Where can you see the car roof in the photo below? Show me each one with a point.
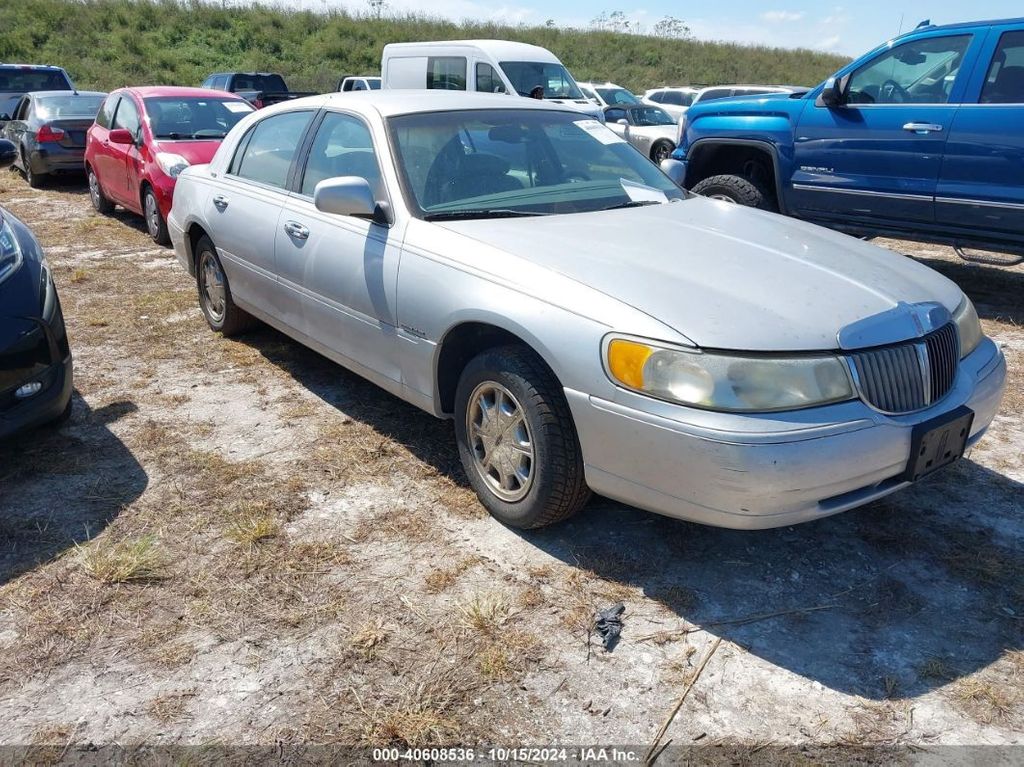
(963, 25)
(389, 103)
(47, 94)
(503, 50)
(5, 65)
(155, 91)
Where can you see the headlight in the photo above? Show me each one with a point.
(727, 382)
(171, 164)
(968, 327)
(10, 251)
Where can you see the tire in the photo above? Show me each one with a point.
(661, 150)
(99, 200)
(34, 180)
(534, 406)
(737, 189)
(222, 315)
(156, 225)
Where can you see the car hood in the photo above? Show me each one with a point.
(725, 276)
(196, 152)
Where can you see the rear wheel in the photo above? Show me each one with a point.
(517, 440)
(662, 150)
(33, 179)
(99, 200)
(155, 223)
(222, 315)
(736, 189)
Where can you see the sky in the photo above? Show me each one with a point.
(851, 28)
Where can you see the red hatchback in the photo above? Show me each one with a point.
(144, 137)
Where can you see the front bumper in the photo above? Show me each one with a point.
(767, 470)
(36, 351)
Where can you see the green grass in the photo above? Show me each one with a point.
(105, 44)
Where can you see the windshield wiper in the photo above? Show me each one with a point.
(455, 215)
(631, 204)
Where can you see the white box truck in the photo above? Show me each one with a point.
(488, 66)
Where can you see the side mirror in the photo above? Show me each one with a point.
(121, 136)
(675, 170)
(623, 121)
(4, 117)
(8, 153)
(346, 196)
(834, 94)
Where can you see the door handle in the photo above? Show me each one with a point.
(922, 128)
(220, 202)
(296, 230)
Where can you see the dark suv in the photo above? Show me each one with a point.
(19, 79)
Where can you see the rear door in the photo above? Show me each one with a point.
(15, 129)
(877, 158)
(98, 147)
(982, 181)
(244, 211)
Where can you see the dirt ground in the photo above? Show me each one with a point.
(238, 542)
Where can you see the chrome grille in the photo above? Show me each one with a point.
(911, 375)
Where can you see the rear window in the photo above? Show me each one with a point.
(64, 107)
(17, 79)
(266, 83)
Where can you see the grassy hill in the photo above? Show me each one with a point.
(108, 43)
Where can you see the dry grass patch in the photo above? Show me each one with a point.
(122, 562)
(485, 613)
(369, 638)
(986, 700)
(79, 275)
(170, 707)
(254, 525)
(442, 578)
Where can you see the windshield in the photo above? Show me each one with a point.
(490, 163)
(553, 78)
(617, 96)
(19, 80)
(173, 118)
(64, 107)
(648, 116)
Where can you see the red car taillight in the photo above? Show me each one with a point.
(47, 134)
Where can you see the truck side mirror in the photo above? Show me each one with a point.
(8, 153)
(834, 93)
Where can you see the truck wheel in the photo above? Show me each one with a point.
(222, 315)
(517, 440)
(661, 150)
(737, 189)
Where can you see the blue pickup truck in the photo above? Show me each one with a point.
(923, 138)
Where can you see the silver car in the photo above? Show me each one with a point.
(649, 129)
(478, 256)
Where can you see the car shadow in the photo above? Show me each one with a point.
(899, 597)
(997, 291)
(77, 185)
(62, 485)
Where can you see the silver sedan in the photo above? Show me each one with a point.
(650, 129)
(478, 257)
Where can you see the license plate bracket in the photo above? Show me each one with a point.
(938, 442)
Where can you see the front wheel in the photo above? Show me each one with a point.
(222, 315)
(661, 150)
(517, 440)
(736, 189)
(155, 223)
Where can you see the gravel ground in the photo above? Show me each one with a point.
(238, 542)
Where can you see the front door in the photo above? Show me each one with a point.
(878, 156)
(981, 183)
(343, 269)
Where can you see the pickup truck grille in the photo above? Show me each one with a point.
(909, 376)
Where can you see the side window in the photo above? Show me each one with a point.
(208, 82)
(127, 116)
(342, 147)
(713, 94)
(266, 154)
(487, 80)
(673, 98)
(446, 73)
(917, 72)
(359, 85)
(1005, 81)
(21, 111)
(105, 117)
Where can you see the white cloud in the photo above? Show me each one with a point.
(778, 17)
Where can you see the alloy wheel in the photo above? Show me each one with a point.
(212, 284)
(152, 215)
(500, 440)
